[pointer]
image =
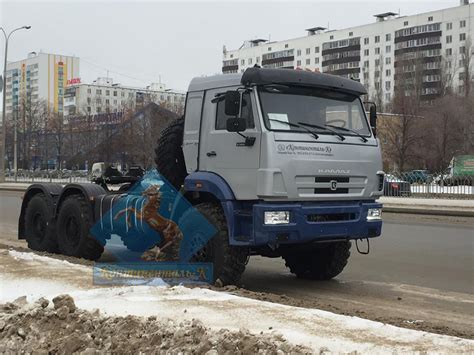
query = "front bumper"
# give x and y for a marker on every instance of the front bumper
(316, 221)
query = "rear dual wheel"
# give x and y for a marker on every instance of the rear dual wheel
(73, 229)
(40, 233)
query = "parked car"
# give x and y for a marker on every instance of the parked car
(394, 186)
(417, 177)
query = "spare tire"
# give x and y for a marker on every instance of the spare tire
(169, 156)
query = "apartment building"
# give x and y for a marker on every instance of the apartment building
(394, 50)
(104, 96)
(41, 76)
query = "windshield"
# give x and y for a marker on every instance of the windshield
(298, 105)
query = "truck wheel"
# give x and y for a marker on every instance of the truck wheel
(169, 156)
(39, 225)
(322, 263)
(228, 261)
(73, 226)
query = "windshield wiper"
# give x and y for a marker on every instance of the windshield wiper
(314, 134)
(341, 137)
(350, 130)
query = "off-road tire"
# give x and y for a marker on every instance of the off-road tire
(40, 231)
(228, 261)
(323, 262)
(73, 229)
(169, 156)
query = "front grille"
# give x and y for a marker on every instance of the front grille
(329, 185)
(331, 217)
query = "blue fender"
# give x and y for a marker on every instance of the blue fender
(215, 185)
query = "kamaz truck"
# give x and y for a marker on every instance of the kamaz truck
(284, 163)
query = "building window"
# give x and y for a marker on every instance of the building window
(316, 49)
(331, 37)
(462, 36)
(388, 60)
(308, 61)
(377, 62)
(107, 102)
(387, 85)
(242, 62)
(388, 37)
(350, 34)
(449, 51)
(88, 109)
(99, 109)
(308, 51)
(430, 18)
(377, 50)
(366, 64)
(388, 72)
(377, 39)
(269, 49)
(107, 92)
(462, 50)
(286, 45)
(449, 26)
(298, 52)
(115, 93)
(231, 56)
(257, 59)
(388, 49)
(298, 63)
(98, 92)
(405, 23)
(250, 61)
(387, 97)
(89, 100)
(462, 23)
(88, 90)
(123, 94)
(316, 60)
(449, 39)
(366, 52)
(366, 40)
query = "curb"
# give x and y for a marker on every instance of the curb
(422, 210)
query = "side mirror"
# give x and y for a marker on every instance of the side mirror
(232, 103)
(373, 118)
(236, 124)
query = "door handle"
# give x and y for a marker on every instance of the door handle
(211, 153)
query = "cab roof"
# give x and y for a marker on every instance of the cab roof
(261, 76)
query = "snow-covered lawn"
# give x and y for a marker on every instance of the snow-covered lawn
(311, 327)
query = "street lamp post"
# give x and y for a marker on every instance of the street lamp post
(4, 128)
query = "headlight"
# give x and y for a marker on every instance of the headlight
(277, 217)
(374, 214)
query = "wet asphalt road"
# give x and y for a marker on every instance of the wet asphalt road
(419, 274)
(426, 251)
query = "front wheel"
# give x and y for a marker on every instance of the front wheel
(228, 261)
(323, 262)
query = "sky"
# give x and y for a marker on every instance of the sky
(140, 42)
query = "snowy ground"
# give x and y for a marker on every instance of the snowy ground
(310, 327)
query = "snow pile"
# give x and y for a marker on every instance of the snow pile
(316, 329)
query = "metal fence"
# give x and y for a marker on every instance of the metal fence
(48, 176)
(421, 184)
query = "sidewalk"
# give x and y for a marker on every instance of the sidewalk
(430, 206)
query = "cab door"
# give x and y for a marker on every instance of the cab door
(223, 152)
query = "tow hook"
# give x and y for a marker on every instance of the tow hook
(368, 246)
